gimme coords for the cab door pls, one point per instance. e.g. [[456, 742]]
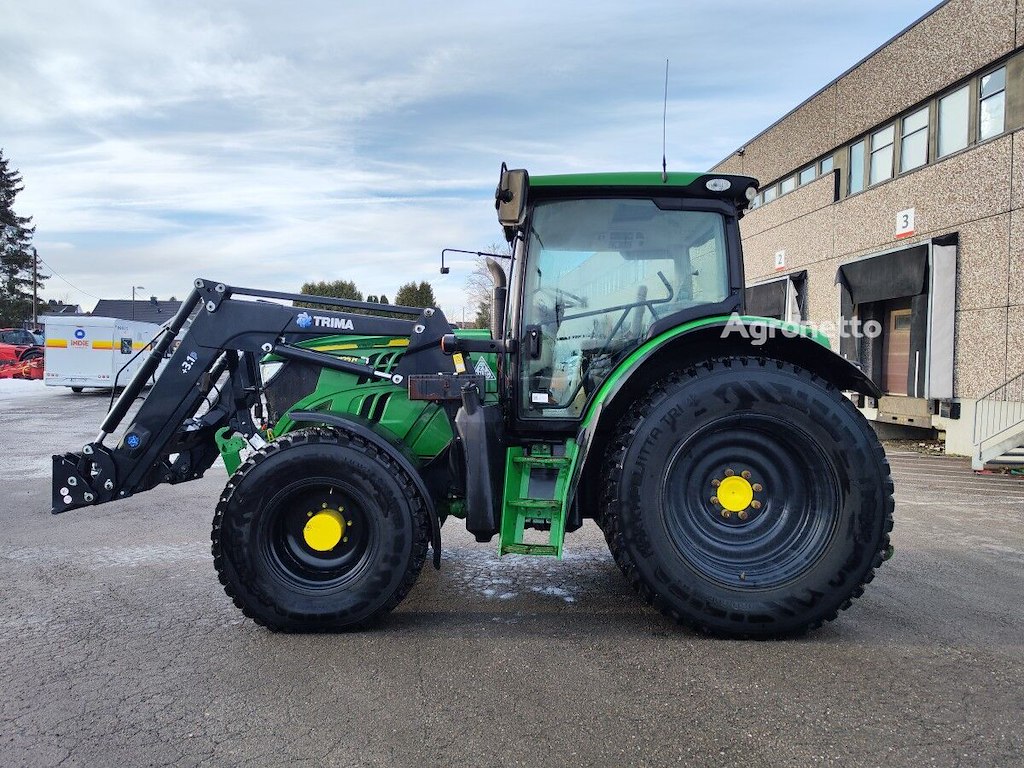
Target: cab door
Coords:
[[601, 274]]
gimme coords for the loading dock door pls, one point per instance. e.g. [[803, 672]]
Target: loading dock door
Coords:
[[896, 344], [923, 277], [783, 298]]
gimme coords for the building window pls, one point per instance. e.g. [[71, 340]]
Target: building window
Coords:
[[953, 122], [991, 115], [914, 142], [771, 193], [881, 154], [857, 167], [826, 165], [807, 175], [788, 185]]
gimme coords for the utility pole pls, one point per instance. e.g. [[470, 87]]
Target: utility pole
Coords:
[[134, 288], [35, 290]]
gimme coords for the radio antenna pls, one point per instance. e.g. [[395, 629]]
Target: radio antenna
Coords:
[[664, 123]]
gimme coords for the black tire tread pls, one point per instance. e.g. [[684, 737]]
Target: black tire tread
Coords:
[[327, 436], [614, 459]]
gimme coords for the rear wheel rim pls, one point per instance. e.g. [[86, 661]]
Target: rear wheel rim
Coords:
[[291, 559], [793, 510]]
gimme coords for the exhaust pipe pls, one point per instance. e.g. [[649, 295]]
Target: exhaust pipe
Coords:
[[499, 298]]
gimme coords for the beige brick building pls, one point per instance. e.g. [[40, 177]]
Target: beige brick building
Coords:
[[896, 194]]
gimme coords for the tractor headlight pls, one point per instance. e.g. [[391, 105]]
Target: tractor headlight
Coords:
[[751, 193], [718, 185]]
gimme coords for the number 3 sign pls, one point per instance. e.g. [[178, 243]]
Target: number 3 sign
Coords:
[[905, 223]]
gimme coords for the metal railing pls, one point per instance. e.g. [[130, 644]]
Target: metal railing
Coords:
[[999, 410]]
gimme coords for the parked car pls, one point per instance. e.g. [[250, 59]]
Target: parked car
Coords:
[[18, 345]]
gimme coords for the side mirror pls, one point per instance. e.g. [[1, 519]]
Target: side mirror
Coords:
[[510, 196]]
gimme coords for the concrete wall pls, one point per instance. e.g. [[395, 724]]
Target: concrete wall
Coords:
[[956, 39], [967, 193], [977, 192]]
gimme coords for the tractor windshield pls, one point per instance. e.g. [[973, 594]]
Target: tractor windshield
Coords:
[[599, 273]]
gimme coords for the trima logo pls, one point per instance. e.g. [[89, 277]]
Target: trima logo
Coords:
[[342, 323], [304, 320]]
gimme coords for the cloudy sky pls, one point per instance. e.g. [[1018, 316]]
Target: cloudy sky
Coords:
[[269, 143]]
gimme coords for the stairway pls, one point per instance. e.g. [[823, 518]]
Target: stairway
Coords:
[[1012, 458], [536, 481], [999, 426]]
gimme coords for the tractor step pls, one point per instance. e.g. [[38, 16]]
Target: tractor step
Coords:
[[535, 493], [541, 461]]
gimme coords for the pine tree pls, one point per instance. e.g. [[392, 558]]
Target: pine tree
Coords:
[[416, 295], [335, 289], [16, 254]]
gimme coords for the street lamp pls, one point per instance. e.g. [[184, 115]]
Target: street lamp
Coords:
[[134, 289]]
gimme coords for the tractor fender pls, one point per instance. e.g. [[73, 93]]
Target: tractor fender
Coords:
[[395, 450], [692, 343]]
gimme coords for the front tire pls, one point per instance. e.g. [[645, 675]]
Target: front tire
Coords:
[[747, 498], [351, 565]]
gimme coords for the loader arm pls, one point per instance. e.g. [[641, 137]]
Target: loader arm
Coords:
[[212, 381]]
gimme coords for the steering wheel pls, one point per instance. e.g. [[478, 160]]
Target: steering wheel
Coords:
[[561, 297]]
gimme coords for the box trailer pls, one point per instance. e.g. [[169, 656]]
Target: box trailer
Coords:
[[85, 351]]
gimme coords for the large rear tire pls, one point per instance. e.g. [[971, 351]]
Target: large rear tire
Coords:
[[319, 531], [747, 498]]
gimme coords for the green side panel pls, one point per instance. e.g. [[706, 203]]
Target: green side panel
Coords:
[[627, 365], [629, 179], [421, 426], [521, 510]]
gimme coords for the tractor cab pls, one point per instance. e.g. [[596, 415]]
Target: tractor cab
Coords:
[[603, 263]]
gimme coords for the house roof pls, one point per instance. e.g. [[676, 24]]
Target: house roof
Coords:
[[59, 308], [146, 310]]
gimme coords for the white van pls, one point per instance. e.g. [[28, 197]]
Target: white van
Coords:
[[85, 351]]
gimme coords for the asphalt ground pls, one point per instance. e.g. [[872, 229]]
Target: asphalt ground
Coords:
[[119, 648]]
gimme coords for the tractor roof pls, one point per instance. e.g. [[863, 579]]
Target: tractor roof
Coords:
[[675, 184]]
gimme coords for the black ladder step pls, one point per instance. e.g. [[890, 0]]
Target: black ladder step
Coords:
[[542, 461]]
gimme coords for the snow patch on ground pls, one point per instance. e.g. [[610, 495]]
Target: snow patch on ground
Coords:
[[505, 578], [13, 389]]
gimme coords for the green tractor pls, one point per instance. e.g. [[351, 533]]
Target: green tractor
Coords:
[[740, 491]]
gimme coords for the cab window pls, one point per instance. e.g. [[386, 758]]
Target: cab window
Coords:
[[599, 273]]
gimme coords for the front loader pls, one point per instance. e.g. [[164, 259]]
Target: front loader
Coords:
[[739, 490]]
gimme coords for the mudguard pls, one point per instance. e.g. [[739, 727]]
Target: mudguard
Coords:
[[699, 340]]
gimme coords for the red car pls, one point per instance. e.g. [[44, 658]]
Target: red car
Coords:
[[18, 345]]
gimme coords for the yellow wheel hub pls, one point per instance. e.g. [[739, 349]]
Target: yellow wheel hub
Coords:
[[324, 530], [735, 493]]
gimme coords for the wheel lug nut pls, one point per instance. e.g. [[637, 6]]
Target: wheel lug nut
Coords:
[[755, 504], [757, 487], [715, 501], [745, 474], [729, 473], [742, 514], [716, 482], [726, 513]]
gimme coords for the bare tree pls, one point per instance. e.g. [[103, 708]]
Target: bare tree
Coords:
[[479, 284]]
